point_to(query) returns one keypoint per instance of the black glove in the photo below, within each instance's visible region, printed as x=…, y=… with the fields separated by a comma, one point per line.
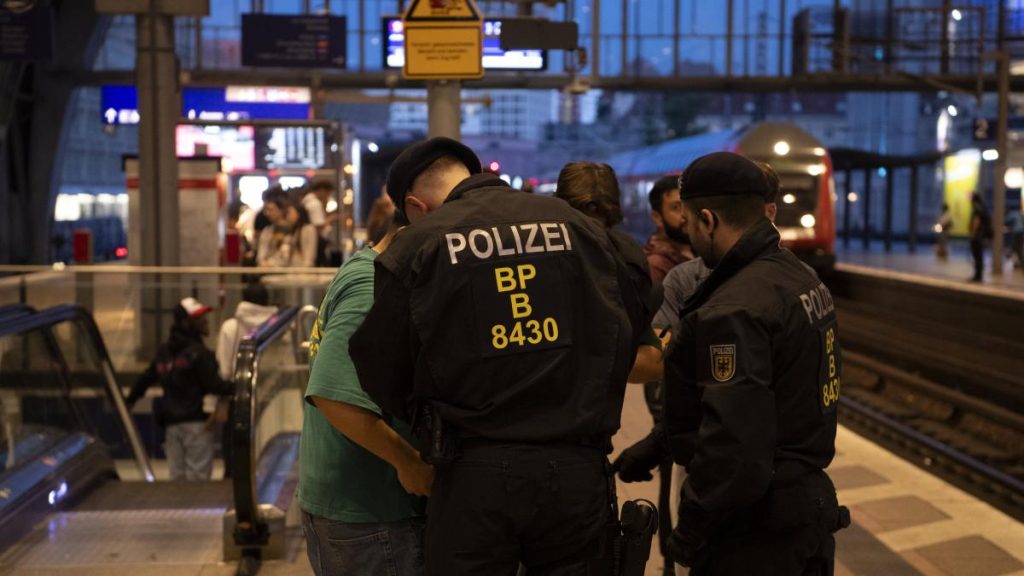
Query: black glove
x=636, y=462
x=682, y=546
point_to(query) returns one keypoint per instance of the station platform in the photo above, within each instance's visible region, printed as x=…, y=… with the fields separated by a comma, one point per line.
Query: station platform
x=906, y=522
x=923, y=266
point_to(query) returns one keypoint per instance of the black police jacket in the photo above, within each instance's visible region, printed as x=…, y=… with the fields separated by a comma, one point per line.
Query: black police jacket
x=752, y=379
x=509, y=312
x=187, y=371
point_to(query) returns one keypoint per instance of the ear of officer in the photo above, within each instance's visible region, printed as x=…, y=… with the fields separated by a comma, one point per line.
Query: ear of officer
x=725, y=193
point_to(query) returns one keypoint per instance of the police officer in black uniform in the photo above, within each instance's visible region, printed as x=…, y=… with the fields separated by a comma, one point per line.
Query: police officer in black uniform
x=514, y=320
x=752, y=382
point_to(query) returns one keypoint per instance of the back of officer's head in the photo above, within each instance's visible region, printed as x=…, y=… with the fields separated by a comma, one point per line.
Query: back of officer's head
x=725, y=187
x=593, y=189
x=420, y=179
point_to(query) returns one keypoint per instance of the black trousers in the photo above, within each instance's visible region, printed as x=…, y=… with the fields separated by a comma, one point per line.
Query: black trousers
x=978, y=253
x=499, y=505
x=788, y=533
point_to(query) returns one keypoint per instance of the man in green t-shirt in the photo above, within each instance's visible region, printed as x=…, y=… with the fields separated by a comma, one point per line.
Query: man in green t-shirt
x=361, y=483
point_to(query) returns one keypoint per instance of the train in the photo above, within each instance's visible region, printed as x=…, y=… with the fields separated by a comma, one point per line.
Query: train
x=806, y=203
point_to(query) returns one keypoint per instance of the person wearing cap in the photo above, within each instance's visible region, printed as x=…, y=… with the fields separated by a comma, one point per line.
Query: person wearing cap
x=636, y=462
x=187, y=371
x=752, y=383
x=504, y=326
x=668, y=246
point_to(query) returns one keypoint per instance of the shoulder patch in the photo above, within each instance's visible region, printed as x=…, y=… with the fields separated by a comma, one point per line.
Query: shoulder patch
x=723, y=362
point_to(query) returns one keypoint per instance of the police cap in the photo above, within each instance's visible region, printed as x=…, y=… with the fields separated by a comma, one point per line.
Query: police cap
x=417, y=158
x=723, y=174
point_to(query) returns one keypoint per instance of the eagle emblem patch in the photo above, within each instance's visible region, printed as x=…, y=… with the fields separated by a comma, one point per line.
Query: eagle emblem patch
x=723, y=362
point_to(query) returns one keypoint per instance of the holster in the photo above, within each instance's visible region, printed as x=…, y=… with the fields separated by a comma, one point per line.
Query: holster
x=630, y=533
x=439, y=441
x=807, y=499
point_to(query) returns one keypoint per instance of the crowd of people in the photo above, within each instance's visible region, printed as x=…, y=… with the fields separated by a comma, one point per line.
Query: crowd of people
x=292, y=229
x=468, y=369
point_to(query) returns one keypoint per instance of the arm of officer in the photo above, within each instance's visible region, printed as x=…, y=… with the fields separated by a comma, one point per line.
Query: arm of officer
x=382, y=349
x=370, y=431
x=732, y=466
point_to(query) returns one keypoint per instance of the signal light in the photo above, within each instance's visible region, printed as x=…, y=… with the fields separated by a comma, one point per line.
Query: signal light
x=494, y=166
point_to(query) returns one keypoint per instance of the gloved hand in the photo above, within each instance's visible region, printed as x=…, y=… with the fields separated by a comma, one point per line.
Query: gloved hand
x=682, y=546
x=636, y=462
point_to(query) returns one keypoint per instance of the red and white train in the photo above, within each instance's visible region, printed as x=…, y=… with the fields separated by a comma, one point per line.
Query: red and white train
x=806, y=202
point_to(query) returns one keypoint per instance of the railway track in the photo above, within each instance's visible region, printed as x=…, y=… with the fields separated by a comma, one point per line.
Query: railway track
x=940, y=384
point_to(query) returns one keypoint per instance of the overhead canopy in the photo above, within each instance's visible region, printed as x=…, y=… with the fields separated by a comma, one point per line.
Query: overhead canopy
x=850, y=159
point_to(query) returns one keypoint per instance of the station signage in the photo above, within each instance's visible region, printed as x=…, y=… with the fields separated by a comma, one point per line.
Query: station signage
x=26, y=34
x=120, y=103
x=494, y=57
x=443, y=40
x=293, y=41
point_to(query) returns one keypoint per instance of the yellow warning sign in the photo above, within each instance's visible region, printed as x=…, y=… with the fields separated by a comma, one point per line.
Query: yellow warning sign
x=443, y=52
x=443, y=40
x=443, y=10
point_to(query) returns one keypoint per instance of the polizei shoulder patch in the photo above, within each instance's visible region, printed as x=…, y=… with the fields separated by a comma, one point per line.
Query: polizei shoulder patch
x=723, y=362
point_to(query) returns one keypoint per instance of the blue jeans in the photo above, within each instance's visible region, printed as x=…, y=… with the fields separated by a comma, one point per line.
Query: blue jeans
x=354, y=549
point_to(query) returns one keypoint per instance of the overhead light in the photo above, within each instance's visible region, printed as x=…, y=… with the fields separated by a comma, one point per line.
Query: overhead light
x=807, y=221
x=816, y=169
x=781, y=148
x=956, y=15
x=372, y=147
x=951, y=110
x=1014, y=177
x=852, y=197
x=990, y=155
x=788, y=199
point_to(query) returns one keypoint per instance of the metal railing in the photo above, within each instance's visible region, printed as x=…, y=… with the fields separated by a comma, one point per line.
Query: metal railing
x=45, y=322
x=259, y=384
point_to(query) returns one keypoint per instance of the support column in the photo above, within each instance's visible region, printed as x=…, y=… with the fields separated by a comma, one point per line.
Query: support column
x=999, y=172
x=444, y=100
x=159, y=110
x=157, y=228
x=912, y=228
x=866, y=232
x=890, y=177
x=846, y=212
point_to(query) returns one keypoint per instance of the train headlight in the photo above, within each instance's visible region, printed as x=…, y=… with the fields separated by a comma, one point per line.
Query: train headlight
x=819, y=151
x=816, y=169
x=807, y=220
x=781, y=148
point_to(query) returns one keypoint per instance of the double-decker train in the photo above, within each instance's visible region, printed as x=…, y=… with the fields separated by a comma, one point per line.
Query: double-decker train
x=806, y=217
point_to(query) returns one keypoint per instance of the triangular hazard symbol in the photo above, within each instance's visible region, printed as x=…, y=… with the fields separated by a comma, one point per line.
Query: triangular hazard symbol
x=442, y=11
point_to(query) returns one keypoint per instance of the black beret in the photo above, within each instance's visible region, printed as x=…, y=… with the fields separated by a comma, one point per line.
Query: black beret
x=417, y=157
x=723, y=174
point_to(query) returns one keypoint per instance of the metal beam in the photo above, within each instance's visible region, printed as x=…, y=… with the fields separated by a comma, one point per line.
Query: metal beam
x=498, y=80
x=847, y=210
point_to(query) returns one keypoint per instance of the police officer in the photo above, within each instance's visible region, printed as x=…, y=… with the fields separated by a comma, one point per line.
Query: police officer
x=752, y=384
x=513, y=318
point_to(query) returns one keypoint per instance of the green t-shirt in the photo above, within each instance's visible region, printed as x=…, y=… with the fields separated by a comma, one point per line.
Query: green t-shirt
x=339, y=479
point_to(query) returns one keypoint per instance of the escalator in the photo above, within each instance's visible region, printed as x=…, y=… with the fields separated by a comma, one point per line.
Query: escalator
x=77, y=487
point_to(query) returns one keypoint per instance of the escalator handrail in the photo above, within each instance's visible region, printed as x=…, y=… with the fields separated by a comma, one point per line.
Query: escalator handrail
x=50, y=317
x=250, y=530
